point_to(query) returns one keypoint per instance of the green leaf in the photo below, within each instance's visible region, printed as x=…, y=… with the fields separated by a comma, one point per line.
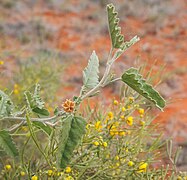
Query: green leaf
x=115, y=31
x=135, y=80
x=44, y=127
x=71, y=133
x=90, y=73
x=41, y=112
x=7, y=144
x=6, y=105
x=35, y=103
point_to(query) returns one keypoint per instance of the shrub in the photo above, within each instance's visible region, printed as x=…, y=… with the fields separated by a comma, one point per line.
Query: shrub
x=118, y=143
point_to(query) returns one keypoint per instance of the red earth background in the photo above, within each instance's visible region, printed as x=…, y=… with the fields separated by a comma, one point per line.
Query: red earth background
x=75, y=28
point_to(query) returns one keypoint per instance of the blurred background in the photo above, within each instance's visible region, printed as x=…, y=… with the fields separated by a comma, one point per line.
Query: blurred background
x=56, y=38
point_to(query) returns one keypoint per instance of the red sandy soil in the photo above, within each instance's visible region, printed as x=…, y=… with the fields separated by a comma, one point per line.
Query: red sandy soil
x=79, y=27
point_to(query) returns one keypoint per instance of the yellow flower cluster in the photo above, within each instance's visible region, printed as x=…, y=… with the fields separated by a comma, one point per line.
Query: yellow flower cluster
x=129, y=120
x=16, y=89
x=100, y=142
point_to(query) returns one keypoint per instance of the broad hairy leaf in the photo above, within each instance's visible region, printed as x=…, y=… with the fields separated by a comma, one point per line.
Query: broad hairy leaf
x=44, y=127
x=115, y=31
x=7, y=143
x=135, y=80
x=73, y=129
x=35, y=103
x=90, y=73
x=6, y=105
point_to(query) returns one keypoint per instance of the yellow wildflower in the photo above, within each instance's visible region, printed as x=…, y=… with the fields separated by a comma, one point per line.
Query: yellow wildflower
x=68, y=169
x=142, y=123
x=123, y=109
x=96, y=143
x=34, y=177
x=110, y=115
x=117, y=157
x=142, y=167
x=121, y=133
x=105, y=144
x=122, y=117
x=116, y=102
x=50, y=172
x=98, y=125
x=129, y=120
x=16, y=91
x=131, y=99
x=117, y=164
x=130, y=163
x=112, y=133
x=1, y=62
x=22, y=173
x=129, y=107
x=8, y=167
x=179, y=178
x=141, y=111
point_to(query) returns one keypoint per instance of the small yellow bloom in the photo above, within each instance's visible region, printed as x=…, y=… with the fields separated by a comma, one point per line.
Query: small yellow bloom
x=142, y=167
x=141, y=115
x=141, y=111
x=96, y=143
x=131, y=99
x=8, y=167
x=122, y=117
x=34, y=177
x=121, y=133
x=129, y=120
x=98, y=125
x=22, y=173
x=117, y=164
x=142, y=123
x=110, y=115
x=112, y=133
x=68, y=169
x=116, y=102
x=130, y=163
x=16, y=91
x=123, y=109
x=117, y=158
x=50, y=172
x=1, y=62
x=105, y=144
x=179, y=178
x=128, y=107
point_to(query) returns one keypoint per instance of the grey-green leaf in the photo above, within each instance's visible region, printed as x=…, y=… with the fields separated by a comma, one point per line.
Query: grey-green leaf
x=35, y=103
x=135, y=80
x=114, y=30
x=90, y=73
x=72, y=131
x=7, y=143
x=44, y=127
x=6, y=105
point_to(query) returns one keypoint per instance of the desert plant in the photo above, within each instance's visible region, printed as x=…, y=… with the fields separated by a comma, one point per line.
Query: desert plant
x=118, y=143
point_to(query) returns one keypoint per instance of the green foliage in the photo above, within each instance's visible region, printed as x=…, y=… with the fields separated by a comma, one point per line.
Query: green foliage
x=35, y=103
x=44, y=127
x=71, y=133
x=7, y=144
x=133, y=79
x=90, y=73
x=44, y=68
x=115, y=31
x=6, y=105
